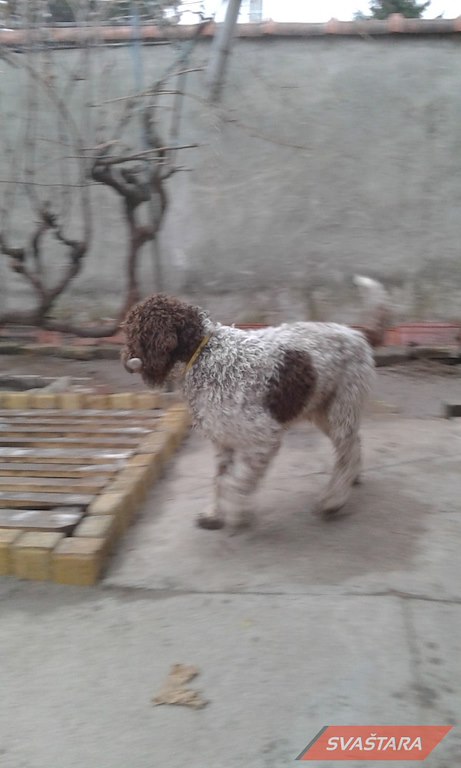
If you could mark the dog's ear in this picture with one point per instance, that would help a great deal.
(166, 341)
(157, 352)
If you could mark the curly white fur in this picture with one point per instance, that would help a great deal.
(246, 387)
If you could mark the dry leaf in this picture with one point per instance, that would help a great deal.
(173, 691)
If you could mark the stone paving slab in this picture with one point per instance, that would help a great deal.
(68, 429)
(79, 441)
(275, 669)
(401, 534)
(293, 626)
(59, 455)
(435, 637)
(30, 470)
(17, 483)
(61, 519)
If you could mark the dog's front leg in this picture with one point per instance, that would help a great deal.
(214, 519)
(238, 483)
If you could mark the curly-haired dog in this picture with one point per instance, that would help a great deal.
(244, 388)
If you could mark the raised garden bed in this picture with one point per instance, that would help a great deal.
(74, 468)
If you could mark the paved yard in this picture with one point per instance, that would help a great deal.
(294, 625)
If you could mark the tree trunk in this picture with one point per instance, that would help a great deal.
(220, 50)
(135, 242)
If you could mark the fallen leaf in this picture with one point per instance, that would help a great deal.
(173, 690)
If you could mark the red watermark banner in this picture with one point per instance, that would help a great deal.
(375, 742)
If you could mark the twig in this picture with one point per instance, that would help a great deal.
(147, 92)
(144, 155)
(181, 61)
(43, 184)
(98, 332)
(53, 141)
(253, 132)
(101, 145)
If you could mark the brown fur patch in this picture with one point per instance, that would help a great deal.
(291, 386)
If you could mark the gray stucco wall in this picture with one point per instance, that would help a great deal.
(324, 159)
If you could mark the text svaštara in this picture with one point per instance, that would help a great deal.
(374, 743)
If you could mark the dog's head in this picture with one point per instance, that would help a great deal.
(160, 332)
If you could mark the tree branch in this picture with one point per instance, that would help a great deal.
(143, 155)
(91, 332)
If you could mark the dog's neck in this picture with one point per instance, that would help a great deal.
(193, 335)
(198, 351)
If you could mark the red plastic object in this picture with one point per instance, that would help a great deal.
(427, 334)
(419, 334)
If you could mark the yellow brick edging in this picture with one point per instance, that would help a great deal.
(80, 559)
(7, 538)
(126, 401)
(31, 554)
(15, 400)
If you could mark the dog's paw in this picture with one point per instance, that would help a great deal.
(209, 522)
(327, 509)
(241, 523)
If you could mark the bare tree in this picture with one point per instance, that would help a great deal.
(62, 208)
(141, 178)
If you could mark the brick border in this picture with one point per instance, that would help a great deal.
(80, 559)
(75, 401)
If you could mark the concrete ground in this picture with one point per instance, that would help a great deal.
(294, 625)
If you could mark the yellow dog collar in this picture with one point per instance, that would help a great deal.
(197, 352)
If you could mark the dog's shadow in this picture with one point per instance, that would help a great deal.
(378, 531)
(287, 548)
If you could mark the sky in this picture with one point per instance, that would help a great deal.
(323, 10)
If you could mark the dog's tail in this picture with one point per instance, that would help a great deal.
(378, 309)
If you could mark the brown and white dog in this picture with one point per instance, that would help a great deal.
(244, 388)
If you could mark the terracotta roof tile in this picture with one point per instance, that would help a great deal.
(394, 25)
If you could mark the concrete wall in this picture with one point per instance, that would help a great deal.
(325, 158)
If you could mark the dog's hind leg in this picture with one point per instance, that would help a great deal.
(346, 473)
(321, 422)
(342, 427)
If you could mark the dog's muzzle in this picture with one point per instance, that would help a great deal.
(134, 365)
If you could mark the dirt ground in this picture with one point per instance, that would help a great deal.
(415, 389)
